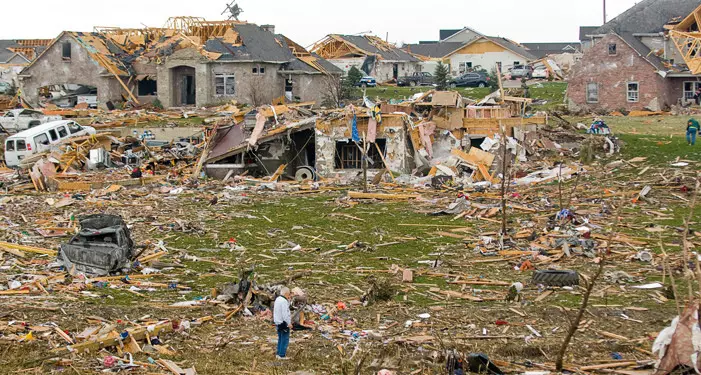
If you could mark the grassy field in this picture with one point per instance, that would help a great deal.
(269, 224)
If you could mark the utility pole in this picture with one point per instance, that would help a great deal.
(604, 13)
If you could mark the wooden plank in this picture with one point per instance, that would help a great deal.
(609, 365)
(361, 195)
(28, 249)
(277, 173)
(171, 366)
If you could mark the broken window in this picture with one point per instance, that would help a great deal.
(349, 155)
(21, 145)
(517, 63)
(255, 70)
(592, 92)
(66, 51)
(464, 67)
(148, 87)
(74, 128)
(41, 139)
(633, 91)
(612, 49)
(53, 135)
(62, 132)
(224, 85)
(10, 145)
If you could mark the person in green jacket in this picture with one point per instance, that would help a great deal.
(692, 128)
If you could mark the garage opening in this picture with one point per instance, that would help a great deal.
(349, 155)
(68, 95)
(184, 86)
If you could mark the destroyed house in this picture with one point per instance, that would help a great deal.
(372, 55)
(467, 50)
(634, 62)
(15, 54)
(190, 62)
(293, 142)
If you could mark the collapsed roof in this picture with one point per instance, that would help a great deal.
(21, 51)
(336, 46)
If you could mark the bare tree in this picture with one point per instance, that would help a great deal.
(334, 90)
(257, 92)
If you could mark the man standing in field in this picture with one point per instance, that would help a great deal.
(283, 321)
(692, 128)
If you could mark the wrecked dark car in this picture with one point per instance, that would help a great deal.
(102, 246)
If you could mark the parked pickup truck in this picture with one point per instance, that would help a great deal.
(417, 79)
(17, 120)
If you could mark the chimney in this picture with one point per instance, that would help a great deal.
(270, 28)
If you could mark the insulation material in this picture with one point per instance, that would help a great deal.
(680, 343)
(425, 131)
(260, 125)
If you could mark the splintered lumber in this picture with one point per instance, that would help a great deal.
(277, 173)
(171, 366)
(64, 335)
(28, 249)
(475, 156)
(387, 197)
(106, 341)
(459, 295)
(609, 365)
(151, 257)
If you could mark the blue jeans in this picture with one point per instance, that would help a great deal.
(691, 136)
(283, 340)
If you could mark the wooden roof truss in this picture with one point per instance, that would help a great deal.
(335, 47)
(687, 38)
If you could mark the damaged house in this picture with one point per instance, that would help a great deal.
(372, 55)
(292, 142)
(632, 63)
(16, 54)
(190, 62)
(467, 50)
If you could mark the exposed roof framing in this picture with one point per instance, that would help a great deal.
(687, 38)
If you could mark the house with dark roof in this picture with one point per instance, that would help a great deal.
(466, 49)
(632, 64)
(15, 54)
(373, 55)
(189, 62)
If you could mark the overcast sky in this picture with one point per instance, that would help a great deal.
(307, 21)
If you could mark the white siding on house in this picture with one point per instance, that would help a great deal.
(487, 61)
(463, 36)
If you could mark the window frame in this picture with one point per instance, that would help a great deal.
(53, 135)
(636, 92)
(258, 70)
(70, 130)
(586, 92)
(38, 141)
(66, 51)
(615, 49)
(24, 145)
(225, 78)
(65, 132)
(8, 143)
(689, 95)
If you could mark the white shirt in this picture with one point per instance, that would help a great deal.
(281, 311)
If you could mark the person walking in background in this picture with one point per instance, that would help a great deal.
(283, 321)
(692, 128)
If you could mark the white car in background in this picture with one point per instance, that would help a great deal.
(16, 120)
(540, 72)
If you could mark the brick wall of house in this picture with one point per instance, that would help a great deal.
(612, 73)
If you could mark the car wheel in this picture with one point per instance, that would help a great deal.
(412, 84)
(452, 85)
(481, 85)
(364, 85)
